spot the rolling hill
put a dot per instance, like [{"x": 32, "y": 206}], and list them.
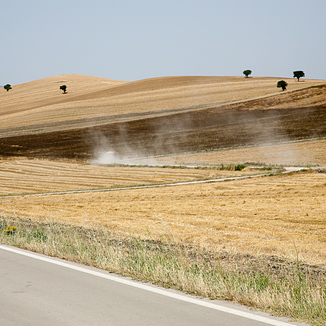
[{"x": 156, "y": 116}]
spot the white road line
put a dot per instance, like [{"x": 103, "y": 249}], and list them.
[{"x": 145, "y": 287}]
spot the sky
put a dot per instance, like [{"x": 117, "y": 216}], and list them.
[{"x": 137, "y": 39}]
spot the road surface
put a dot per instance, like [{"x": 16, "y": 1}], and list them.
[{"x": 39, "y": 290}]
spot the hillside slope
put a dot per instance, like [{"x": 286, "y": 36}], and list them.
[
  {"x": 41, "y": 107},
  {"x": 165, "y": 115},
  {"x": 46, "y": 91}
]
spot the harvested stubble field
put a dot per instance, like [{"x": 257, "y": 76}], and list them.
[
  {"x": 271, "y": 215},
  {"x": 49, "y": 139},
  {"x": 19, "y": 176}
]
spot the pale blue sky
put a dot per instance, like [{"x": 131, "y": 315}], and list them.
[{"x": 136, "y": 39}]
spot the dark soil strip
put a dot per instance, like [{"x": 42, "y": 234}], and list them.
[{"x": 213, "y": 128}]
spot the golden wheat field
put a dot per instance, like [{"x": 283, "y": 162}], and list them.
[
  {"x": 271, "y": 215},
  {"x": 21, "y": 176}
]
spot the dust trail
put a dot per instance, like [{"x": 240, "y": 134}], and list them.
[
  {"x": 105, "y": 153},
  {"x": 270, "y": 131},
  {"x": 161, "y": 137},
  {"x": 107, "y": 156}
]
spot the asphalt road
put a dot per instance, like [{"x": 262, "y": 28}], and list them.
[{"x": 39, "y": 290}]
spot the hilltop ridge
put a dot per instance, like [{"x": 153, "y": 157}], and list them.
[
  {"x": 46, "y": 91},
  {"x": 91, "y": 100}
]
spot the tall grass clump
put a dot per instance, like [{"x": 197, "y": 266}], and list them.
[
  {"x": 233, "y": 167},
  {"x": 292, "y": 289}
]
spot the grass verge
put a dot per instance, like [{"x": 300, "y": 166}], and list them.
[{"x": 266, "y": 283}]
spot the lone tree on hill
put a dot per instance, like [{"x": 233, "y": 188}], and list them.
[
  {"x": 298, "y": 74},
  {"x": 7, "y": 87},
  {"x": 64, "y": 89},
  {"x": 282, "y": 84},
  {"x": 247, "y": 73}
]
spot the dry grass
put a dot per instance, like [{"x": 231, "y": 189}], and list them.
[
  {"x": 266, "y": 283},
  {"x": 43, "y": 92}
]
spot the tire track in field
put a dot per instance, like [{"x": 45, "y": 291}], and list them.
[{"x": 287, "y": 170}]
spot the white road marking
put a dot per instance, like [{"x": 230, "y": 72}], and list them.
[{"x": 145, "y": 287}]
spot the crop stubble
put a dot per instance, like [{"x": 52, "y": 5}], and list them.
[
  {"x": 22, "y": 176},
  {"x": 272, "y": 215}
]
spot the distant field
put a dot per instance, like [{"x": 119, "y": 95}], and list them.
[
  {"x": 39, "y": 176},
  {"x": 156, "y": 116}
]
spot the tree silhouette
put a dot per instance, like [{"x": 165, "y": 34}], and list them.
[
  {"x": 64, "y": 89},
  {"x": 247, "y": 73},
  {"x": 282, "y": 84},
  {"x": 7, "y": 87},
  {"x": 298, "y": 74}
]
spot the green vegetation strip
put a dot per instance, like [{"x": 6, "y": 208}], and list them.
[{"x": 283, "y": 288}]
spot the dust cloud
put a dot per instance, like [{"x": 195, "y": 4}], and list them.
[
  {"x": 269, "y": 132},
  {"x": 105, "y": 154},
  {"x": 274, "y": 145},
  {"x": 160, "y": 137}
]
